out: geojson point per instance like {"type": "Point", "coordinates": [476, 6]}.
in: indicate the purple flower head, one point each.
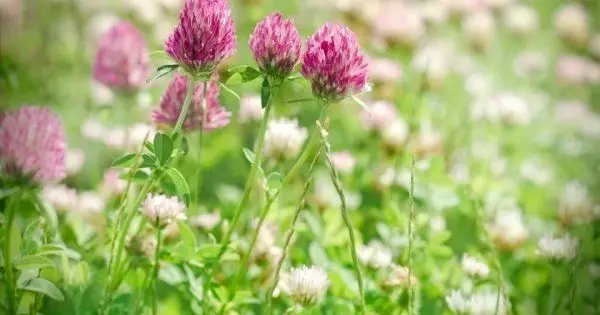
{"type": "Point", "coordinates": [276, 45]}
{"type": "Point", "coordinates": [122, 60]}
{"type": "Point", "coordinates": [204, 37]}
{"type": "Point", "coordinates": [32, 144]}
{"type": "Point", "coordinates": [172, 100]}
{"type": "Point", "coordinates": [334, 64]}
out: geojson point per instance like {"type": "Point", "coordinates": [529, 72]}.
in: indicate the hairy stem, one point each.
{"type": "Point", "coordinates": [202, 122]}
{"type": "Point", "coordinates": [154, 273]}
{"type": "Point", "coordinates": [411, 214]}
{"type": "Point", "coordinates": [292, 230]}
{"type": "Point", "coordinates": [186, 106]}
{"type": "Point", "coordinates": [7, 253]}
{"type": "Point", "coordinates": [335, 178]}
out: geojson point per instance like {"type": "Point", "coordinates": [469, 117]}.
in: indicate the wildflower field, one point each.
{"type": "Point", "coordinates": [300, 157]}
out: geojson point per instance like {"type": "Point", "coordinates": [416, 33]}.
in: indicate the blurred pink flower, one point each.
{"type": "Point", "coordinates": [32, 144]}
{"type": "Point", "coordinates": [122, 60]}
{"type": "Point", "coordinates": [384, 70]}
{"type": "Point", "coordinates": [576, 70]}
{"type": "Point", "coordinates": [112, 183]}
{"type": "Point", "coordinates": [334, 64]}
{"type": "Point", "coordinates": [343, 161]}
{"type": "Point", "coordinates": [379, 115]}
{"type": "Point", "coordinates": [399, 22]}
{"type": "Point", "coordinates": [215, 116]}
{"type": "Point", "coordinates": [276, 45]}
{"type": "Point", "coordinates": [204, 36]}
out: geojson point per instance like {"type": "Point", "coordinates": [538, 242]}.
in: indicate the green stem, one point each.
{"type": "Point", "coordinates": [290, 234]}
{"type": "Point", "coordinates": [186, 106]}
{"type": "Point", "coordinates": [335, 178]}
{"type": "Point", "coordinates": [411, 215]}
{"type": "Point", "coordinates": [553, 291]}
{"type": "Point", "coordinates": [154, 273]}
{"type": "Point", "coordinates": [251, 177]}
{"type": "Point", "coordinates": [7, 253]}
{"type": "Point", "coordinates": [199, 171]}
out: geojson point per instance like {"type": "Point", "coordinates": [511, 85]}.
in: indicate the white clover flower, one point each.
{"type": "Point", "coordinates": [428, 140]}
{"type": "Point", "coordinates": [521, 19]}
{"type": "Point", "coordinates": [379, 115]}
{"type": "Point", "coordinates": [437, 224]}
{"type": "Point", "coordinates": [112, 183]}
{"type": "Point", "coordinates": [383, 70]}
{"type": "Point", "coordinates": [93, 129]}
{"type": "Point", "coordinates": [530, 63]}
{"type": "Point", "coordinates": [434, 60]}
{"type": "Point", "coordinates": [535, 171]}
{"type": "Point", "coordinates": [137, 133]}
{"type": "Point", "coordinates": [90, 203]}
{"type": "Point", "coordinates": [457, 302]}
{"type": "Point", "coordinates": [267, 237]}
{"type": "Point", "coordinates": [395, 134]}
{"type": "Point", "coordinates": [74, 162]}
{"type": "Point", "coordinates": [60, 197]}
{"type": "Point", "coordinates": [562, 248]}
{"type": "Point", "coordinates": [474, 267]}
{"type": "Point", "coordinates": [399, 277]}
{"type": "Point", "coordinates": [375, 255]}
{"type": "Point", "coordinates": [484, 303]}
{"type": "Point", "coordinates": [206, 221]}
{"type": "Point", "coordinates": [508, 230]}
{"type": "Point", "coordinates": [325, 195]}
{"type": "Point", "coordinates": [250, 108]}
{"type": "Point", "coordinates": [284, 138]}
{"type": "Point", "coordinates": [305, 285]}
{"type": "Point", "coordinates": [161, 210]}
{"type": "Point", "coordinates": [407, 31]}
{"type": "Point", "coordinates": [572, 23]}
{"type": "Point", "coordinates": [343, 161]}
{"type": "Point", "coordinates": [575, 206]}
{"type": "Point", "coordinates": [479, 28]}
{"type": "Point", "coordinates": [115, 138]}
{"type": "Point", "coordinates": [101, 94]}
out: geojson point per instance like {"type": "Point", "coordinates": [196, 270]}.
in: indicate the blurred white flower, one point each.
{"type": "Point", "coordinates": [161, 210]}
{"type": "Point", "coordinates": [535, 171]}
{"type": "Point", "coordinates": [395, 134]}
{"type": "Point", "coordinates": [434, 61]}
{"type": "Point", "coordinates": [379, 115]}
{"type": "Point", "coordinates": [112, 183]}
{"type": "Point", "coordinates": [507, 230]}
{"type": "Point", "coordinates": [530, 63]}
{"type": "Point", "coordinates": [521, 19]}
{"type": "Point", "coordinates": [147, 11]}
{"type": "Point", "coordinates": [437, 224]}
{"type": "Point", "coordinates": [474, 267]}
{"type": "Point", "coordinates": [60, 197]}
{"type": "Point", "coordinates": [90, 203]}
{"type": "Point", "coordinates": [479, 28]}
{"type": "Point", "coordinates": [434, 12]}
{"type": "Point", "coordinates": [460, 173]}
{"type": "Point", "coordinates": [115, 138]}
{"type": "Point", "coordinates": [343, 161]}
{"type": "Point", "coordinates": [93, 129]}
{"type": "Point", "coordinates": [574, 70]}
{"type": "Point", "coordinates": [498, 4]}
{"type": "Point", "coordinates": [100, 23]}
{"type": "Point", "coordinates": [561, 248]}
{"type": "Point", "coordinates": [137, 133]}
{"type": "Point", "coordinates": [384, 70]}
{"type": "Point", "coordinates": [502, 107]}
{"type": "Point", "coordinates": [594, 46]}
{"type": "Point", "coordinates": [250, 109]}
{"type": "Point", "coordinates": [284, 138]}
{"type": "Point", "coordinates": [457, 302]}
{"type": "Point", "coordinates": [206, 221]}
{"type": "Point", "coordinates": [572, 23]}
{"type": "Point", "coordinates": [486, 303]}
{"type": "Point", "coordinates": [408, 31]}
{"type": "Point", "coordinates": [375, 255]}
{"type": "Point", "coordinates": [305, 285]}
{"type": "Point", "coordinates": [325, 196]}
{"type": "Point", "coordinates": [101, 94]}
{"type": "Point", "coordinates": [399, 277]}
{"type": "Point", "coordinates": [575, 205]}
{"type": "Point", "coordinates": [427, 141]}
{"type": "Point", "coordinates": [267, 237]}
{"type": "Point", "coordinates": [74, 162]}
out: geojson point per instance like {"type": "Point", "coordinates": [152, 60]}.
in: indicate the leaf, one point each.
{"type": "Point", "coordinates": [300, 100]}
{"type": "Point", "coordinates": [163, 147]}
{"type": "Point", "coordinates": [313, 223]}
{"type": "Point", "coordinates": [44, 287]}
{"type": "Point", "coordinates": [15, 241]}
{"type": "Point", "coordinates": [149, 146]}
{"type": "Point", "coordinates": [80, 274]}
{"type": "Point", "coordinates": [274, 180]}
{"type": "Point", "coordinates": [265, 93]}
{"type": "Point", "coordinates": [8, 191]}
{"type": "Point", "coordinates": [441, 251]}
{"type": "Point", "coordinates": [162, 71]}
{"type": "Point", "coordinates": [228, 90]}
{"type": "Point", "coordinates": [127, 160]}
{"type": "Point", "coordinates": [249, 155]}
{"type": "Point", "coordinates": [208, 251]}
{"type": "Point", "coordinates": [360, 103]}
{"type": "Point", "coordinates": [188, 240]}
{"type": "Point", "coordinates": [147, 161]}
{"type": "Point", "coordinates": [181, 186]}
{"type": "Point", "coordinates": [57, 250]}
{"type": "Point", "coordinates": [242, 74]}
{"type": "Point", "coordinates": [317, 254]}
{"type": "Point", "coordinates": [33, 262]}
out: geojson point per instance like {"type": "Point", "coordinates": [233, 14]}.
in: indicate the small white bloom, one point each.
{"type": "Point", "coordinates": [250, 108]}
{"type": "Point", "coordinates": [325, 195]}
{"type": "Point", "coordinates": [75, 159]}
{"type": "Point", "coordinates": [399, 277]}
{"type": "Point", "coordinates": [162, 210]}
{"type": "Point", "coordinates": [562, 248]}
{"type": "Point", "coordinates": [101, 94]}
{"type": "Point", "coordinates": [457, 302]}
{"type": "Point", "coordinates": [428, 140]}
{"type": "Point", "coordinates": [384, 70]}
{"type": "Point", "coordinates": [93, 129]}
{"type": "Point", "coordinates": [344, 162]}
{"type": "Point", "coordinates": [60, 197]}
{"type": "Point", "coordinates": [305, 285]}
{"type": "Point", "coordinates": [437, 224]}
{"type": "Point", "coordinates": [508, 230]}
{"type": "Point", "coordinates": [521, 19]}
{"type": "Point", "coordinates": [572, 23]}
{"type": "Point", "coordinates": [375, 255]}
{"type": "Point", "coordinates": [479, 28]}
{"type": "Point", "coordinates": [536, 172]}
{"type": "Point", "coordinates": [267, 237]}
{"type": "Point", "coordinates": [484, 303]}
{"type": "Point", "coordinates": [115, 138]}
{"type": "Point", "coordinates": [395, 134]}
{"type": "Point", "coordinates": [137, 133]}
{"type": "Point", "coordinates": [530, 63]}
{"type": "Point", "coordinates": [206, 221]}
{"type": "Point", "coordinates": [474, 267]}
{"type": "Point", "coordinates": [90, 202]}
{"type": "Point", "coordinates": [379, 115]}
{"type": "Point", "coordinates": [575, 205]}
{"type": "Point", "coordinates": [284, 138]}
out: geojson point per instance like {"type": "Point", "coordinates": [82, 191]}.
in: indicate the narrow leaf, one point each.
{"type": "Point", "coordinates": [301, 100]}
{"type": "Point", "coordinates": [183, 190]}
{"type": "Point", "coordinates": [265, 93]}
{"type": "Point", "coordinates": [249, 155]}
{"type": "Point", "coordinates": [228, 90]}
{"type": "Point", "coordinates": [126, 160]}
{"type": "Point", "coordinates": [162, 71]}
{"type": "Point", "coordinates": [163, 147]}
{"type": "Point", "coordinates": [44, 287]}
{"type": "Point", "coordinates": [360, 103]}
{"type": "Point", "coordinates": [242, 74]}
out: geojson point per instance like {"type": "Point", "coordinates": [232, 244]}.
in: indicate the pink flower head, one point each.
{"type": "Point", "coordinates": [276, 45]}
{"type": "Point", "coordinates": [32, 144]}
{"type": "Point", "coordinates": [172, 100]}
{"type": "Point", "coordinates": [204, 36]}
{"type": "Point", "coordinates": [334, 63]}
{"type": "Point", "coordinates": [122, 60]}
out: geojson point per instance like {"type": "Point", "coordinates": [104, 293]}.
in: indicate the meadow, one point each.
{"type": "Point", "coordinates": [300, 157]}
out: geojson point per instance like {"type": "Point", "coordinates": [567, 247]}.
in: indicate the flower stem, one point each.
{"type": "Point", "coordinates": [7, 254]}
{"type": "Point", "coordinates": [553, 289]}
{"type": "Point", "coordinates": [411, 214]}
{"type": "Point", "coordinates": [335, 179]}
{"type": "Point", "coordinates": [154, 273]}
{"type": "Point", "coordinates": [251, 177]}
{"type": "Point", "coordinates": [202, 122]}
{"type": "Point", "coordinates": [186, 106]}
{"type": "Point", "coordinates": [292, 230]}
